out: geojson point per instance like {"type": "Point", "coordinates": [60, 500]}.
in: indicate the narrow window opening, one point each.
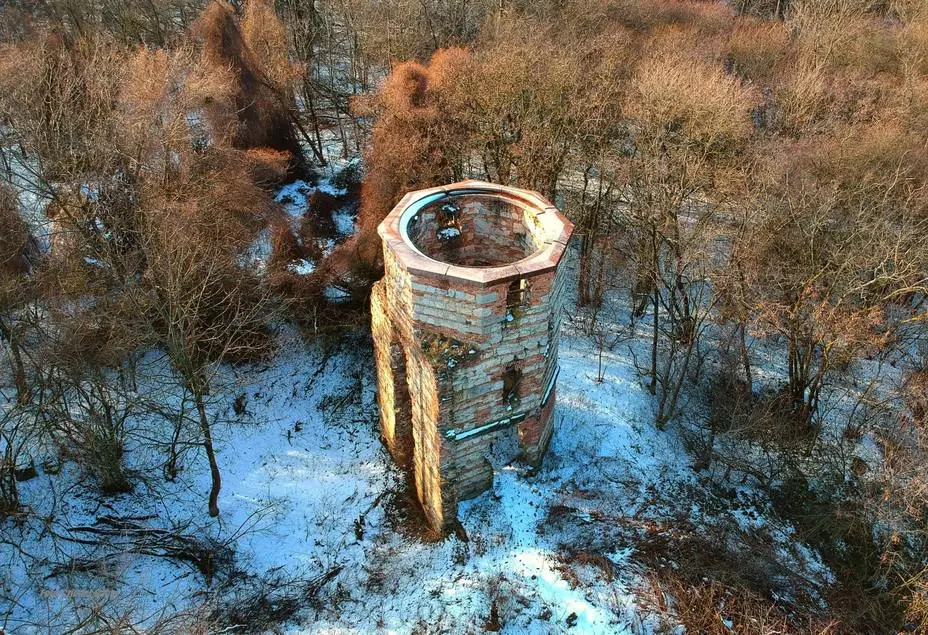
{"type": "Point", "coordinates": [512, 380]}
{"type": "Point", "coordinates": [517, 298]}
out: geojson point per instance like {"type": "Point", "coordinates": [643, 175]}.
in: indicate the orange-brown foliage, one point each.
{"type": "Point", "coordinates": [248, 109]}
{"type": "Point", "coordinates": [285, 247]}
{"type": "Point", "coordinates": [266, 37]}
{"type": "Point", "coordinates": [644, 15]}
{"type": "Point", "coordinates": [60, 92]}
{"type": "Point", "coordinates": [268, 166]}
{"type": "Point", "coordinates": [406, 150]}
{"type": "Point", "coordinates": [757, 47]}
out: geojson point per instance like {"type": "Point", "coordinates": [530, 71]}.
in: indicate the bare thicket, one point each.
{"type": "Point", "coordinates": [147, 230]}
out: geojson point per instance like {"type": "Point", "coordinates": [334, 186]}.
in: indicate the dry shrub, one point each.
{"type": "Point", "coordinates": [896, 504]}
{"type": "Point", "coordinates": [245, 107]}
{"type": "Point", "coordinates": [703, 576]}
{"type": "Point", "coordinates": [229, 207]}
{"type": "Point", "coordinates": [87, 411]}
{"type": "Point", "coordinates": [871, 47]}
{"type": "Point", "coordinates": [917, 609]}
{"type": "Point", "coordinates": [101, 449]}
{"type": "Point", "coordinates": [346, 266]}
{"type": "Point", "coordinates": [908, 11]}
{"type": "Point", "coordinates": [268, 166]}
{"type": "Point", "coordinates": [154, 108]}
{"type": "Point", "coordinates": [878, 166]}
{"type": "Point", "coordinates": [215, 188]}
{"type": "Point", "coordinates": [730, 400]}
{"type": "Point", "coordinates": [802, 97]}
{"type": "Point", "coordinates": [266, 38]}
{"type": "Point", "coordinates": [400, 145]}
{"type": "Point", "coordinates": [758, 48]}
{"type": "Point", "coordinates": [914, 46]}
{"type": "Point", "coordinates": [820, 30]}
{"type": "Point", "coordinates": [202, 299]}
{"type": "Point", "coordinates": [713, 608]}
{"type": "Point", "coordinates": [311, 245]}
{"type": "Point", "coordinates": [676, 96]}
{"type": "Point", "coordinates": [511, 111]}
{"type": "Point", "coordinates": [406, 146]}
{"type": "Point", "coordinates": [645, 15]}
{"type": "Point", "coordinates": [915, 396]}
{"type": "Point", "coordinates": [911, 105]}
{"type": "Point", "coordinates": [585, 558]}
{"type": "Point", "coordinates": [846, 64]}
{"type": "Point", "coordinates": [821, 27]}
{"type": "Point", "coordinates": [522, 127]}
{"type": "Point", "coordinates": [16, 24]}
{"type": "Point", "coordinates": [285, 247]}
{"type": "Point", "coordinates": [102, 336]}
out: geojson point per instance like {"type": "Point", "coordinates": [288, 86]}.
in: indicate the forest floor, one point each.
{"type": "Point", "coordinates": [316, 533]}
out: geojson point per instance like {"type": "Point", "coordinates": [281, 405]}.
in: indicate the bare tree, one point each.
{"type": "Point", "coordinates": [206, 311]}
{"type": "Point", "coordinates": [690, 125]}
{"type": "Point", "coordinates": [15, 248]}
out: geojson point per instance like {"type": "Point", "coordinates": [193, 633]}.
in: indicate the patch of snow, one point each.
{"type": "Point", "coordinates": [336, 294]}
{"type": "Point", "coordinates": [301, 267]}
{"type": "Point", "coordinates": [327, 187]}
{"type": "Point", "coordinates": [448, 233]}
{"type": "Point", "coordinates": [294, 197]}
{"type": "Point", "coordinates": [344, 219]}
{"type": "Point", "coordinates": [94, 262]}
{"type": "Point", "coordinates": [258, 252]}
{"type": "Point", "coordinates": [91, 193]}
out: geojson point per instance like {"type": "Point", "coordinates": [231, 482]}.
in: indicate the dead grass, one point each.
{"type": "Point", "coordinates": [712, 608]}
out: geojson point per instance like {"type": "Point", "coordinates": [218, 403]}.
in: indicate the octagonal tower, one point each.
{"type": "Point", "coordinates": [465, 325]}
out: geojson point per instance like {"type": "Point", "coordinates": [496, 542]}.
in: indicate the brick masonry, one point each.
{"type": "Point", "coordinates": [465, 324]}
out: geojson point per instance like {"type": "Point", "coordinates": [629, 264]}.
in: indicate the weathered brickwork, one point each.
{"type": "Point", "coordinates": [465, 325]}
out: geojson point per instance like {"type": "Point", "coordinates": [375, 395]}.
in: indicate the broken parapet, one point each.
{"type": "Point", "coordinates": [465, 324]}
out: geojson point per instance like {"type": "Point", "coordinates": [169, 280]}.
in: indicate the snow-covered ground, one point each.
{"type": "Point", "coordinates": [308, 488]}
{"type": "Point", "coordinates": [308, 491]}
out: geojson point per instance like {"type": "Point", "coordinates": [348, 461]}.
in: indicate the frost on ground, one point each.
{"type": "Point", "coordinates": [312, 502]}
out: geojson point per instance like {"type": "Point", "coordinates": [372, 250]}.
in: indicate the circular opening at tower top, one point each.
{"type": "Point", "coordinates": [473, 228]}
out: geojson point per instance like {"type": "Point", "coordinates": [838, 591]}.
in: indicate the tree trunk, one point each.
{"type": "Point", "coordinates": [170, 466]}
{"type": "Point", "coordinates": [802, 385]}
{"type": "Point", "coordinates": [23, 395]}
{"type": "Point", "coordinates": [316, 142]}
{"type": "Point", "coordinates": [671, 411]}
{"type": "Point", "coordinates": [9, 494]}
{"type": "Point", "coordinates": [655, 334]}
{"type": "Point", "coordinates": [210, 455]}
{"type": "Point", "coordinates": [745, 357]}
{"type": "Point", "coordinates": [583, 282]}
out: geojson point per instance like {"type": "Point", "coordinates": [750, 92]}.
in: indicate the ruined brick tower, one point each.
{"type": "Point", "coordinates": [465, 325]}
